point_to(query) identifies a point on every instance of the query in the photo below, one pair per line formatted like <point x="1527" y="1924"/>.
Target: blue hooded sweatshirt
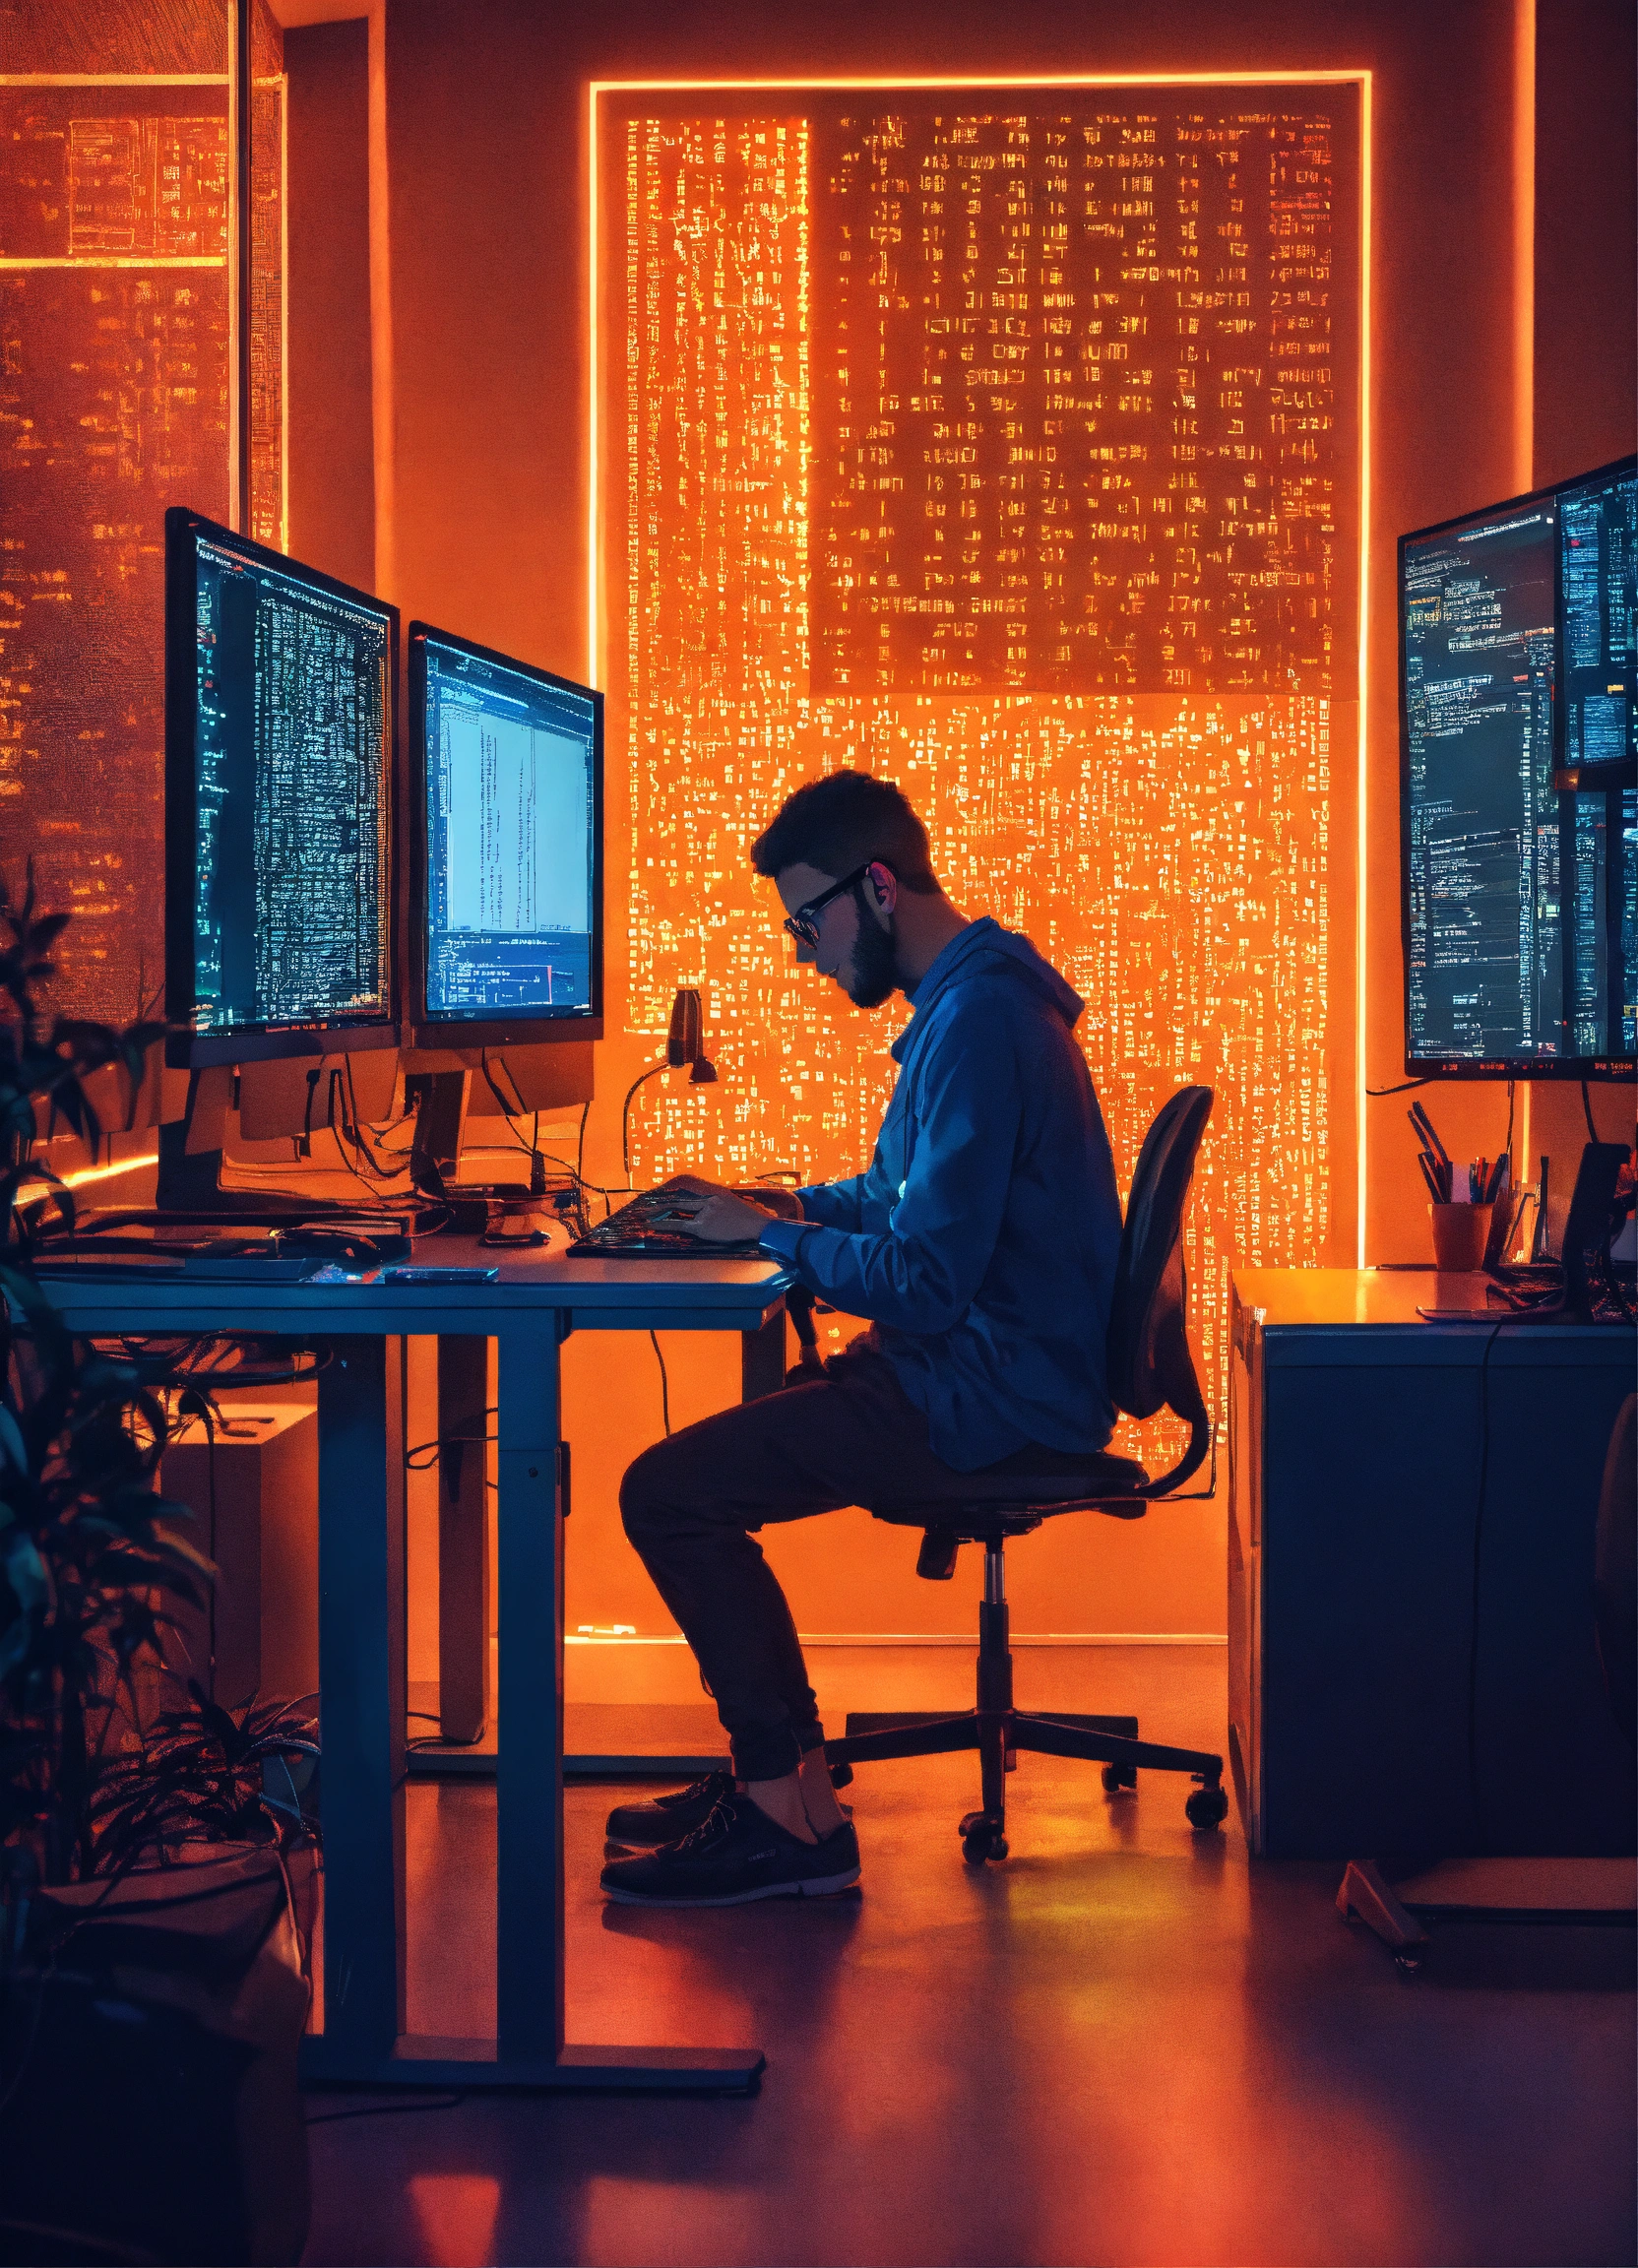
<point x="982" y="1242"/>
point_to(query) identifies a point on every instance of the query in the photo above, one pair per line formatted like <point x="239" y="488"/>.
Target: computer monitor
<point x="1597" y="718"/>
<point x="279" y="765"/>
<point x="1598" y="591"/>
<point x="506" y="863"/>
<point x="1519" y="878"/>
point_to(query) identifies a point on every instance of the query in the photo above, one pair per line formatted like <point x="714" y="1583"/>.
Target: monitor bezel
<point x="422" y="1028"/>
<point x="1443" y="1067"/>
<point x="186" y="1048"/>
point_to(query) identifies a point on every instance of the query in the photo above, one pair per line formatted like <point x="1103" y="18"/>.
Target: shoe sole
<point x="616" y="1846"/>
<point x="824" y="1886"/>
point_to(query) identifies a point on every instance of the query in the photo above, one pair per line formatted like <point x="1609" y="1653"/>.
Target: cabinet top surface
<point x="1319" y="1299"/>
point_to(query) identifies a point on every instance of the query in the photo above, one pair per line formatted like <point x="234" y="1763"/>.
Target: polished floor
<point x="1125" y="2045"/>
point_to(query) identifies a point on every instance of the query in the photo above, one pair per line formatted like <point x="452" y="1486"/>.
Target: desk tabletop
<point x="1354" y="1314"/>
<point x="589" y="1294"/>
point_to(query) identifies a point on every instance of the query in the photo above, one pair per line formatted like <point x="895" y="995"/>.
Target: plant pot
<point x="147" y="2048"/>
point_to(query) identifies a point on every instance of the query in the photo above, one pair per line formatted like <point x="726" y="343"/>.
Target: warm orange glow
<point x="113" y="77"/>
<point x="1524" y="339"/>
<point x="78" y="1180"/>
<point x="383" y="416"/>
<point x="982" y="82"/>
<point x="1524" y="245"/>
<point x="20" y="265"/>
<point x="1109" y="652"/>
<point x="1362" y="848"/>
<point x="456" y="2215"/>
<point x="623" y="88"/>
<point x="115" y="360"/>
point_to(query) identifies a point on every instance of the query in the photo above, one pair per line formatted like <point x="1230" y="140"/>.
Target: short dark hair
<point x="843" y="821"/>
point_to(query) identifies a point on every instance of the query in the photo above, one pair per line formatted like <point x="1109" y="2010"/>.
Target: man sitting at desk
<point x="980" y="1246"/>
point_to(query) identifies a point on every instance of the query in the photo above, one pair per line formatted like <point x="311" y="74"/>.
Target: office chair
<point x="1148" y="1369"/>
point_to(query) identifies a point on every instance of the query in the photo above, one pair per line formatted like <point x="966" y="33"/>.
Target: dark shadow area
<point x="1528" y="1957"/>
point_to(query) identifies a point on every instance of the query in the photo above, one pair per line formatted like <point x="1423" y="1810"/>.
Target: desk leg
<point x="762" y="1359"/>
<point x="362" y="1700"/>
<point x="361" y="1667"/>
<point x="463" y="1540"/>
<point x="528" y="1889"/>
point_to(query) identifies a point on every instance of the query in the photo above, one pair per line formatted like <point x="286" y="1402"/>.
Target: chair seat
<point x="1027" y="1489"/>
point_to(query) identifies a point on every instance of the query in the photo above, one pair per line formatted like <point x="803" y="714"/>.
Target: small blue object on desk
<point x="407" y="1274"/>
<point x="412" y="1273"/>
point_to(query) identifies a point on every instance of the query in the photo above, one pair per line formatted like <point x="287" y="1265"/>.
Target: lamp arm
<point x="652" y="1072"/>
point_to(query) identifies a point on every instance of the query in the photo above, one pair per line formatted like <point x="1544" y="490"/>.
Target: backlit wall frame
<point x="119" y="316"/>
<point x="1174" y="812"/>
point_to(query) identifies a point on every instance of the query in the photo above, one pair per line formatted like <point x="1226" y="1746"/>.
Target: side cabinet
<point x="1412" y="1662"/>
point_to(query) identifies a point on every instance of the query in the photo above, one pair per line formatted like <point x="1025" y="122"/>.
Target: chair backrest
<point x="1149" y="1364"/>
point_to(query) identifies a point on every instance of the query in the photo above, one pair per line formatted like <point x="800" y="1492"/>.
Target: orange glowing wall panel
<point x="115" y="352"/>
<point x="1005" y="443"/>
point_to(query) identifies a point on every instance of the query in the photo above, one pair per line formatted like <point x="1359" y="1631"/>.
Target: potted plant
<point x="153" y="1986"/>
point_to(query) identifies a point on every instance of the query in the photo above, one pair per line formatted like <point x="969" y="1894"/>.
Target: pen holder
<point x="1460" y="1235"/>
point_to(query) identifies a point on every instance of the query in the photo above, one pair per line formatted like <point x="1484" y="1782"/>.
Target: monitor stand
<point x="439" y="1100"/>
<point x="190" y="1187"/>
<point x="190" y="1191"/>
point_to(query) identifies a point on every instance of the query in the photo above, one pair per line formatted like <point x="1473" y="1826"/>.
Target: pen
<point x="1425" y="1127"/>
<point x="1425" y="1146"/>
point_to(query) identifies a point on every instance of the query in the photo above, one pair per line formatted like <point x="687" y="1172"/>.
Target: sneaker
<point x="736" y="1856"/>
<point x="664" y="1818"/>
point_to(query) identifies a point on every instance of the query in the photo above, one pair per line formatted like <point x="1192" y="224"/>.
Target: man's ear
<point x="884" y="886"/>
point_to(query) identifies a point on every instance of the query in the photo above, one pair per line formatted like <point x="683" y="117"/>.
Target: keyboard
<point x="652" y="1227"/>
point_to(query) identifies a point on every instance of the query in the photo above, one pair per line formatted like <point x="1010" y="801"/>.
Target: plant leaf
<point x="24" y="1569"/>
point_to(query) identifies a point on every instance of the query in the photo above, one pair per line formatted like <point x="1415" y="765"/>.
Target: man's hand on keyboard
<point x="785" y="1202"/>
<point x="766" y="1196"/>
<point x="727" y="1218"/>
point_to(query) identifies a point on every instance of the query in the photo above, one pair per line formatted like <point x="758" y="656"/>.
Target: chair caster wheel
<point x="980" y="1843"/>
<point x="1118" y="1776"/>
<point x="974" y="1821"/>
<point x="1207" y="1808"/>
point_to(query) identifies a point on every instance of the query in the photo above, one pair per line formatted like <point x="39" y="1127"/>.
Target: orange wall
<point x="331" y="475"/>
<point x="485" y="493"/>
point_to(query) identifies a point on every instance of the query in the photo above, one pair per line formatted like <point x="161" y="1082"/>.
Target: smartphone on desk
<point x="416" y="1274"/>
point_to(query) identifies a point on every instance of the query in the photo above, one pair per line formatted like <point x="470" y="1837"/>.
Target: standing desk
<point x="538" y="1300"/>
<point x="1411" y="1663"/>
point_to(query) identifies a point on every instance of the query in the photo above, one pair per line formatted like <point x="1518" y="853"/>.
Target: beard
<point x="873" y="974"/>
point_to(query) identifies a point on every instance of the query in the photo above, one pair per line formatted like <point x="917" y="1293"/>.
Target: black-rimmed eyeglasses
<point x="803" y="924"/>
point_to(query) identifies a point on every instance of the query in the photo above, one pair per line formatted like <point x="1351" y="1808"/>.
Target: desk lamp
<point x="684" y="1043"/>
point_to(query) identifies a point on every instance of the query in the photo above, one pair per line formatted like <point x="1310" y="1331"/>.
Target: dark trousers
<point x="691" y="1505"/>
